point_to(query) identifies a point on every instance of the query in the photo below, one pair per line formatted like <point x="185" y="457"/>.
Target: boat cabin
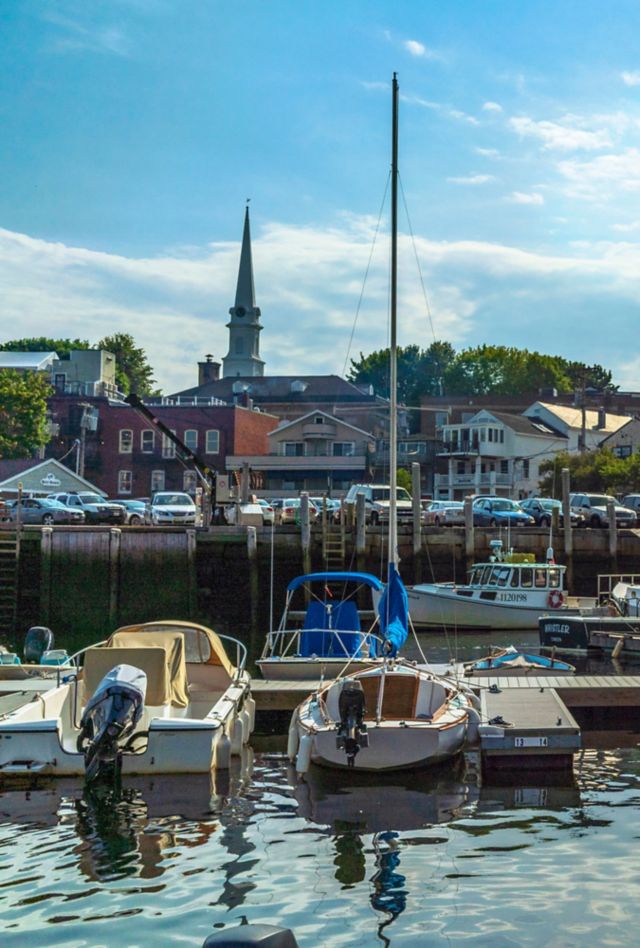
<point x="526" y="576"/>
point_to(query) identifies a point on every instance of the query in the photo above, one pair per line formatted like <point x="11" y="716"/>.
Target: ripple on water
<point x="342" y="863"/>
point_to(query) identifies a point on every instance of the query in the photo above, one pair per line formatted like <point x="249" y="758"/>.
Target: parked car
<point x="268" y="513"/>
<point x="171" y="508"/>
<point x="134" y="511"/>
<point x="499" y="511"/>
<point x="593" y="508"/>
<point x="448" y="512"/>
<point x="377" y="498"/>
<point x="289" y="511"/>
<point x="44" y="510"/>
<point x="541" y="509"/>
<point x="332" y="504"/>
<point x="633" y="502"/>
<point x="95" y="508"/>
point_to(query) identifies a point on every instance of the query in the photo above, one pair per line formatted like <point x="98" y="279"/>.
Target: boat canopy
<point x="201" y="645"/>
<point x="366" y="579"/>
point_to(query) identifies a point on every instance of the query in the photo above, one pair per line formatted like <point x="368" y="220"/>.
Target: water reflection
<point x="131" y="829"/>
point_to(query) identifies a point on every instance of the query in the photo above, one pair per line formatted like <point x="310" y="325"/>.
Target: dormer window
<point x="298" y="387"/>
<point x="319" y="420"/>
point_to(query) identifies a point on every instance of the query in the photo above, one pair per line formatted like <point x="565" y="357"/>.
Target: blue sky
<point x="134" y="130"/>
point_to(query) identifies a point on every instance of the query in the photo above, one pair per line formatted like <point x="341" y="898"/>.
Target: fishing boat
<point x="395" y="715"/>
<point x="508" y="591"/>
<point x="156" y="698"/>
<point x="332" y="635"/>
<point x="511" y="661"/>
<point x="612" y="625"/>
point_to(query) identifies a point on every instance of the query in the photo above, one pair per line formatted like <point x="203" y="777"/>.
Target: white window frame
<point x="189" y="482"/>
<point x="157" y="481"/>
<point x="187" y="433"/>
<point x="125" y="435"/>
<point x="125" y="479"/>
<point x="344" y="454"/>
<point x="149" y="448"/>
<point x="212" y="435"/>
<point x="168" y="449"/>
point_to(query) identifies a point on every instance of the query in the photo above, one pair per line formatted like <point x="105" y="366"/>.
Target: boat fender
<point x="473" y="734"/>
<point x="250" y="705"/>
<point x="303" y="758"/>
<point x="556" y="599"/>
<point x="236" y="740"/>
<point x="245" y="717"/>
<point x="252" y="936"/>
<point x="470" y="694"/>
<point x="223" y="752"/>
<point x="293" y="740"/>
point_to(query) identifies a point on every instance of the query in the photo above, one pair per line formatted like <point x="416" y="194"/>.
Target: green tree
<point x="133" y="372"/>
<point x="42" y="344"/>
<point x="504" y="370"/>
<point x="23" y="413"/>
<point x="589" y="377"/>
<point x="420" y="371"/>
<point x="599" y="471"/>
<point x="403" y="479"/>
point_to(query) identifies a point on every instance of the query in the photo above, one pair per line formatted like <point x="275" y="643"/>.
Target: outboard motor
<point x="39" y="639"/>
<point x="109" y="720"/>
<point x="352" y="732"/>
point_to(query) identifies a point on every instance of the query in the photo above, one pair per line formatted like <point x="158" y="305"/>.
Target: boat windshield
<point x="526" y="578"/>
<point x="554" y="579"/>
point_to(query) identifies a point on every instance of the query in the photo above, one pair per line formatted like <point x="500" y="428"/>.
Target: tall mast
<point x="393" y="359"/>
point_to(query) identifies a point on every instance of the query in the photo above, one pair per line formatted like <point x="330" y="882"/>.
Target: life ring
<point x="556" y="599"/>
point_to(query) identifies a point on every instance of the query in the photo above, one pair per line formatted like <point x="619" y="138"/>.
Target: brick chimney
<point x="208" y="371"/>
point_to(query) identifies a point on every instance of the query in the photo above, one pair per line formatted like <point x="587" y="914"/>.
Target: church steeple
<point x="244" y="326"/>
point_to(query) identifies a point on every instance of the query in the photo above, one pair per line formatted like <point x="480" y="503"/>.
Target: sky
<point x="134" y="131"/>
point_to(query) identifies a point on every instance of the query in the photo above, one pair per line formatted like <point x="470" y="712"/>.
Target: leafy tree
<point x="599" y="471"/>
<point x="503" y="370"/>
<point x="42" y="344"/>
<point x="403" y="479"/>
<point x="589" y="377"/>
<point x="133" y="372"/>
<point x="23" y="413"/>
<point x="420" y="371"/>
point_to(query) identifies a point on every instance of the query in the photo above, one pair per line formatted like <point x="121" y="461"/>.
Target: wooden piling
<point x="192" y="577"/>
<point x="114" y="575"/>
<point x="254" y="579"/>
<point x="46" y="543"/>
<point x="613" y="531"/>
<point x="417" y="520"/>
<point x="305" y="531"/>
<point x="469" y="533"/>
<point x="568" y="532"/>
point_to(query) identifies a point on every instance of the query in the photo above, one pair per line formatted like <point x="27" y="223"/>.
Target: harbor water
<point x="427" y="859"/>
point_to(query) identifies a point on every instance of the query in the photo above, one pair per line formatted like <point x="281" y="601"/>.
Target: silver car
<point x="44" y="511"/>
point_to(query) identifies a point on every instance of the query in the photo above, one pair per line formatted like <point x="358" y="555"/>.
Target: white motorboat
<point x="331" y="636"/>
<point x="510" y="591"/>
<point x="161" y="697"/>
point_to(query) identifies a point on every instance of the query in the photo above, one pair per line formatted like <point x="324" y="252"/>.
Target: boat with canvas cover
<point x="509" y="591"/>
<point x="395" y="715"/>
<point x="161" y="697"/>
<point x="510" y="661"/>
<point x="331" y="635"/>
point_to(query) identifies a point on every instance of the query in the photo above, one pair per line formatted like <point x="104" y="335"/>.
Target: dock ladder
<point x="9" y="549"/>
<point x="333" y="546"/>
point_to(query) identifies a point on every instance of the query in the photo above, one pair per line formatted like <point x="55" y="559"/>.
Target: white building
<point x="572" y="421"/>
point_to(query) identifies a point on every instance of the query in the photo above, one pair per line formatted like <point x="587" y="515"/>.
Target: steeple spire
<point x="243" y="358"/>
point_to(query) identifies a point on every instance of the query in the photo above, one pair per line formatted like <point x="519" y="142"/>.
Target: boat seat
<point x="431" y="696"/>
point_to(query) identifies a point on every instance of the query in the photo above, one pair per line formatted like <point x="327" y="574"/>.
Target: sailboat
<point x="395" y="715"/>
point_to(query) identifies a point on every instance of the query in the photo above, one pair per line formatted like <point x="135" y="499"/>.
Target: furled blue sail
<point x="393" y="610"/>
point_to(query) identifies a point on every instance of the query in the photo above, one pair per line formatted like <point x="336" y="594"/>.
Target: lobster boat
<point x="509" y="591"/>
<point x="156" y="698"/>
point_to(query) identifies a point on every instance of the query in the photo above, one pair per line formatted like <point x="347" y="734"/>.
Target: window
<point x="622" y="451"/>
<point x="293" y="449"/>
<point x="147" y="441"/>
<point x="541" y="579"/>
<point x="490" y="434"/>
<point x="554" y="579"/>
<point x="189" y="482"/>
<point x="157" y="481"/>
<point x="483" y="434"/>
<point x="124" y="482"/>
<point x="525" y="468"/>
<point x="126" y="441"/>
<point x="527" y="578"/>
<point x="191" y="439"/>
<point x="343" y="449"/>
<point x="319" y="420"/>
<point x="504" y="467"/>
<point x="515" y="578"/>
<point x="501" y="433"/>
<point x="168" y="449"/>
<point x="212" y="441"/>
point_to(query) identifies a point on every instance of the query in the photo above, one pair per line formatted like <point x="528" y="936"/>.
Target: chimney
<point x="208" y="371"/>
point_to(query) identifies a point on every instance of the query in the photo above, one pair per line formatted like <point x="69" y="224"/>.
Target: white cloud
<point x="597" y="177"/>
<point x="472" y="179"/>
<point x="626" y="228"/>
<point x="492" y="107"/>
<point x="415" y="48"/>
<point x="307" y="279"/>
<point x="446" y="110"/>
<point x="560" y="137"/>
<point x="487" y="152"/>
<point x="631" y="78"/>
<point x="93" y="38"/>
<point x="520" y="197"/>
